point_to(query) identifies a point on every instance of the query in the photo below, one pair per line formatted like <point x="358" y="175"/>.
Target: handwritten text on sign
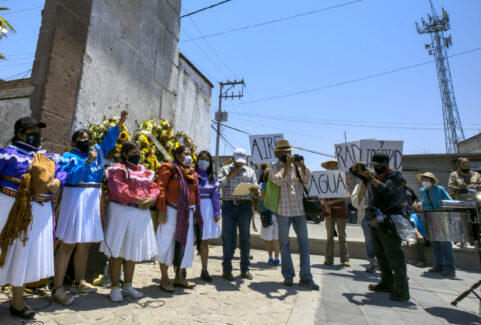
<point x="328" y="184"/>
<point x="262" y="146"/>
<point x="349" y="153"/>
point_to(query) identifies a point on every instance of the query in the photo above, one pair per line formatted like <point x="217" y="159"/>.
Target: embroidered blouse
<point x="209" y="190"/>
<point x="78" y="171"/>
<point x="169" y="186"/>
<point x="16" y="159"/>
<point x="126" y="187"/>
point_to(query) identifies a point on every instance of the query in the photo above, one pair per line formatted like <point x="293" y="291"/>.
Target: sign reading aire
<point x="262" y="146"/>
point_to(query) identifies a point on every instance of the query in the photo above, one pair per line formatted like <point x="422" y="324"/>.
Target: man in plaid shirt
<point x="287" y="173"/>
<point x="236" y="212"/>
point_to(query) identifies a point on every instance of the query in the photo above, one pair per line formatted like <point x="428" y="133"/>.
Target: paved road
<point x="343" y="299"/>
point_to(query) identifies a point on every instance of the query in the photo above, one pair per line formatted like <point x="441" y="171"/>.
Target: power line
<point x="21" y="10"/>
<point x="273" y="21"/>
<point x="18" y="74"/>
<point x="14" y="65"/>
<point x="301" y="92"/>
<point x="223" y="138"/>
<point x="209" y="7"/>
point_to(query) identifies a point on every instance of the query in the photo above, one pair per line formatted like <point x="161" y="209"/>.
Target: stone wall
<point x="14" y="104"/>
<point x="470" y="145"/>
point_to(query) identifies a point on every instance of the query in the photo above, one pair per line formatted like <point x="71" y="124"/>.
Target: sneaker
<point x="277" y="262"/>
<point x="62" y="297"/>
<point x="371" y="268"/>
<point x="116" y="295"/>
<point x="204" y="275"/>
<point x="82" y="288"/>
<point x="129" y="291"/>
<point x="270" y="261"/>
<point x="309" y="284"/>
<point x="25" y="313"/>
<point x="399" y="296"/>
<point x="288" y="282"/>
<point x="436" y="269"/>
<point x="449" y="273"/>
<point x="421" y="264"/>
<point x="346" y="264"/>
<point x="247" y="275"/>
<point x="381" y="287"/>
<point x="228" y="276"/>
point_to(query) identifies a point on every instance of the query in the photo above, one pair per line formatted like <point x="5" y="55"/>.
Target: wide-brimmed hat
<point x="428" y="175"/>
<point x="283" y="145"/>
<point x="327" y="163"/>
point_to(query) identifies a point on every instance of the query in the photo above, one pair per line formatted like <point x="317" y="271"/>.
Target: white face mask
<point x="426" y="184"/>
<point x="187" y="161"/>
<point x="203" y="164"/>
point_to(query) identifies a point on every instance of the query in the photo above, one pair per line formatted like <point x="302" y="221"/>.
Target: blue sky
<point x="314" y="51"/>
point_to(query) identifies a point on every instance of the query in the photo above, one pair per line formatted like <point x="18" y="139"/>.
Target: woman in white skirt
<point x="26" y="241"/>
<point x="180" y="218"/>
<point x="79" y="221"/>
<point x="129" y="233"/>
<point x="210" y="206"/>
<point x="269" y="233"/>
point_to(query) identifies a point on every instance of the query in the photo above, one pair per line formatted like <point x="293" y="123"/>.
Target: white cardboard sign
<point x="349" y="153"/>
<point x="328" y="184"/>
<point x="262" y="146"/>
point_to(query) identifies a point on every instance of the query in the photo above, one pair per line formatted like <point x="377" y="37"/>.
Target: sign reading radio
<point x="262" y="147"/>
<point x="328" y="184"/>
<point x="349" y="153"/>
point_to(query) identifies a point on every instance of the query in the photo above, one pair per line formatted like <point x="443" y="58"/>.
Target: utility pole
<point x="436" y="26"/>
<point x="222" y="116"/>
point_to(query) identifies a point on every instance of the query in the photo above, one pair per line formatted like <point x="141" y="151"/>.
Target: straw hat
<point x="326" y="164"/>
<point x="428" y="175"/>
<point x="283" y="145"/>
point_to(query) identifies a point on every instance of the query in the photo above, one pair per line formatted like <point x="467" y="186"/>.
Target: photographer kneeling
<point x="384" y="195"/>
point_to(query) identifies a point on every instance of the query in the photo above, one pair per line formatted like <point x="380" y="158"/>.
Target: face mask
<point x="134" y="159"/>
<point x="83" y="145"/>
<point x="34" y="139"/>
<point x="426" y="184"/>
<point x="203" y="164"/>
<point x="283" y="158"/>
<point x="187" y="161"/>
<point x="465" y="170"/>
<point x="380" y="170"/>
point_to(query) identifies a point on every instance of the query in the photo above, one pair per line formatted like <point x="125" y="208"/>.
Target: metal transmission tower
<point x="436" y="26"/>
<point x="221" y="116"/>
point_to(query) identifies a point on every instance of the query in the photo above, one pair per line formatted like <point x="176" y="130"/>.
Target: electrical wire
<point x="273" y="21"/>
<point x="20" y="10"/>
<point x="18" y="74"/>
<point x="342" y="83"/>
<point x="209" y="7"/>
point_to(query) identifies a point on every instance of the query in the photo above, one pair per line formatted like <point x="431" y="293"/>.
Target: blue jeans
<point x="300" y="227"/>
<point x="443" y="254"/>
<point x="368" y="241"/>
<point x="233" y="217"/>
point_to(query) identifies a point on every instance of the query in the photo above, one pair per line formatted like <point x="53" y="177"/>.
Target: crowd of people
<point x="191" y="200"/>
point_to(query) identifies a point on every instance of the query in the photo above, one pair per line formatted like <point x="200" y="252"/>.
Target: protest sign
<point x="262" y="146"/>
<point x="328" y="184"/>
<point x="349" y="153"/>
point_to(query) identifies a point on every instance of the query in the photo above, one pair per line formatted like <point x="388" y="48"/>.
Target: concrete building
<point x="470" y="145"/>
<point x="97" y="57"/>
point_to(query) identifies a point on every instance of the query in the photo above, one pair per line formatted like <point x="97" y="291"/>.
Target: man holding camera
<point x="289" y="172"/>
<point x="384" y="195"/>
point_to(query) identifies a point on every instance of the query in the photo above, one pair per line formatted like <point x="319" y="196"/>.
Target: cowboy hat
<point x="428" y="175"/>
<point x="329" y="162"/>
<point x="283" y="145"/>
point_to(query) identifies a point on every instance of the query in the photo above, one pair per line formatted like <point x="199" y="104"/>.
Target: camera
<point x="298" y="158"/>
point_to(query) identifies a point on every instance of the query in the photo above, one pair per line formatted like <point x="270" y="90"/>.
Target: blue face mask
<point x="203" y="164"/>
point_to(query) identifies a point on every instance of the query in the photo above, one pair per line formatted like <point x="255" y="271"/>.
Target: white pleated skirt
<point x="34" y="261"/>
<point x="166" y="240"/>
<point x="211" y="229"/>
<point x="271" y="232"/>
<point x="129" y="233"/>
<point x="79" y="217"/>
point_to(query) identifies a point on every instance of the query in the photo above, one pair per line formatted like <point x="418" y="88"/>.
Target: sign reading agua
<point x="262" y="146"/>
<point x="328" y="184"/>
